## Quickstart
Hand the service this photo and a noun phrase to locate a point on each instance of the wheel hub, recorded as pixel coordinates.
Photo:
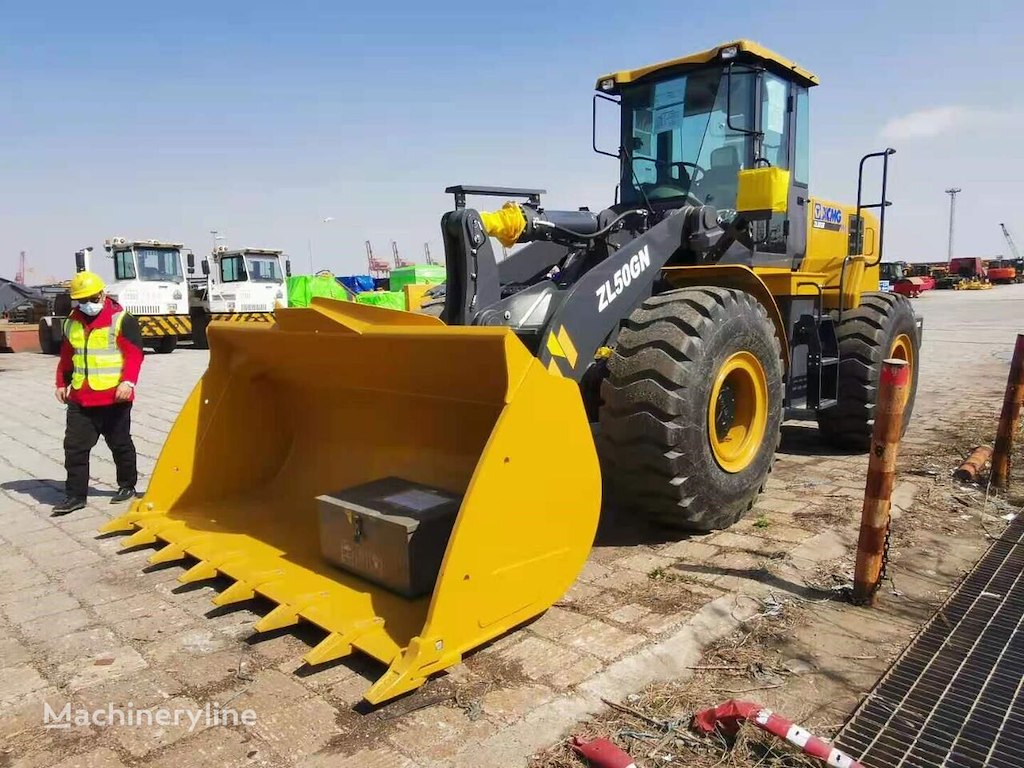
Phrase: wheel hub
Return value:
(725, 411)
(738, 411)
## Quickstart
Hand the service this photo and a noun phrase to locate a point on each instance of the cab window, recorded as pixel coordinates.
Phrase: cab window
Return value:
(678, 141)
(775, 129)
(801, 160)
(232, 269)
(124, 265)
(775, 120)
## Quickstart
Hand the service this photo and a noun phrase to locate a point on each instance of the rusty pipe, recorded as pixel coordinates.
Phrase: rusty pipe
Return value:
(885, 440)
(973, 464)
(1009, 417)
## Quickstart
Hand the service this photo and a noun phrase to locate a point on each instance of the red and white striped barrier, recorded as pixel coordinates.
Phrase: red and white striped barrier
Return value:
(601, 753)
(730, 714)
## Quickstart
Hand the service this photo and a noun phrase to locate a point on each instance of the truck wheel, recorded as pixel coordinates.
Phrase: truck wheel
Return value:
(166, 345)
(199, 324)
(692, 408)
(883, 326)
(48, 345)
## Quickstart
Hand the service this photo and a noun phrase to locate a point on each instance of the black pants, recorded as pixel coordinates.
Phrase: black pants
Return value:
(85, 425)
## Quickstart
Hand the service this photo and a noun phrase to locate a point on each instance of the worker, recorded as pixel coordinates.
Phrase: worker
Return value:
(100, 359)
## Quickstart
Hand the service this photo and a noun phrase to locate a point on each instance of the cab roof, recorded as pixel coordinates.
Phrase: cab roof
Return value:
(117, 245)
(747, 52)
(250, 252)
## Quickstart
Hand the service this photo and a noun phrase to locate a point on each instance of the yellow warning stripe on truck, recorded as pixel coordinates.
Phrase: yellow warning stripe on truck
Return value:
(243, 317)
(164, 325)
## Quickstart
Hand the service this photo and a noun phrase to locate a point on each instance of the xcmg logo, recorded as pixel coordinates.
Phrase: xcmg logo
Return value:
(827, 217)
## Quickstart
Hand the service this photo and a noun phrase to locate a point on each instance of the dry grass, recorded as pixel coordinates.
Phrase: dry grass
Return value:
(653, 726)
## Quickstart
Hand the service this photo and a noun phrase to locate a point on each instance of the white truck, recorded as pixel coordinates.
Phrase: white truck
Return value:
(242, 285)
(149, 282)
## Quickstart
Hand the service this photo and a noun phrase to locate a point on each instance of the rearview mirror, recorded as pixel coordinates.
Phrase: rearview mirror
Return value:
(739, 104)
(190, 259)
(206, 267)
(79, 261)
(593, 125)
(288, 267)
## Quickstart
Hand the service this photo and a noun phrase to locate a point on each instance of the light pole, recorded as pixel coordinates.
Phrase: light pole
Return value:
(309, 243)
(952, 192)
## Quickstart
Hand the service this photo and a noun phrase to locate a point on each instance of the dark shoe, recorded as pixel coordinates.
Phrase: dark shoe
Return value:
(70, 504)
(123, 494)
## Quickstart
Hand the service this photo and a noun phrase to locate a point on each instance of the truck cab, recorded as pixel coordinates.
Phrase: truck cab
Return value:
(245, 280)
(149, 282)
(243, 285)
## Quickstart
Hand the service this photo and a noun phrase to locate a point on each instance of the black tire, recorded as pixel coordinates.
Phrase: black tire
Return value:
(654, 439)
(166, 345)
(48, 345)
(866, 338)
(200, 321)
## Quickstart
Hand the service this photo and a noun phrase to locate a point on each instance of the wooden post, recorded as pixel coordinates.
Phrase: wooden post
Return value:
(1009, 417)
(885, 439)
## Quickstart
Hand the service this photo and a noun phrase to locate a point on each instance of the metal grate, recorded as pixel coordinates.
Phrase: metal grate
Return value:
(143, 309)
(953, 698)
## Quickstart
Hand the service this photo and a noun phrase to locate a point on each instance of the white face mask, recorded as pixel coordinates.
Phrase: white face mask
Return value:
(91, 308)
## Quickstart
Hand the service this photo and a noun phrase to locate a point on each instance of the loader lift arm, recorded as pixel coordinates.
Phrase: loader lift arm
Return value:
(562, 316)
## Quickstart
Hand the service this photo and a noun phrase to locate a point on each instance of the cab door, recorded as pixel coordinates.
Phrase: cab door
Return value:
(784, 120)
(799, 196)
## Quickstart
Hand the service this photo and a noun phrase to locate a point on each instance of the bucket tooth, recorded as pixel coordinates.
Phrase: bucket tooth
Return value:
(422, 658)
(282, 616)
(334, 646)
(338, 645)
(238, 592)
(122, 524)
(287, 614)
(199, 572)
(169, 554)
(140, 537)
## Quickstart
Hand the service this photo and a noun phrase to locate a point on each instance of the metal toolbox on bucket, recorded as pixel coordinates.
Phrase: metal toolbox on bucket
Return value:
(392, 532)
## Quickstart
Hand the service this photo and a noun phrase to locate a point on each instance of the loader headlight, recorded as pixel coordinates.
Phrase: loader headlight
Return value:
(171, 309)
(608, 83)
(729, 52)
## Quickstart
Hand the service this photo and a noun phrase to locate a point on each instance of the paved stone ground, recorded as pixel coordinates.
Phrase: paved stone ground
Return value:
(82, 623)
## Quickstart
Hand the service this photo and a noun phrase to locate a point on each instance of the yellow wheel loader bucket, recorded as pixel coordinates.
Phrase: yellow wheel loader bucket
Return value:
(336, 395)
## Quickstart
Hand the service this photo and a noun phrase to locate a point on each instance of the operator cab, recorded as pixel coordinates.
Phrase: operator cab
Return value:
(689, 126)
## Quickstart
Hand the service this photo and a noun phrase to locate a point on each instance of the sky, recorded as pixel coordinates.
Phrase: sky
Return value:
(260, 120)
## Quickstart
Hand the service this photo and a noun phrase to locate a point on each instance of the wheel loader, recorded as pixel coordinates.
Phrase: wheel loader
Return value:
(418, 485)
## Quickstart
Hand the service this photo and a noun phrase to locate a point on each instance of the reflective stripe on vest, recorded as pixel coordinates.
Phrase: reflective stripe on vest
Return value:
(96, 358)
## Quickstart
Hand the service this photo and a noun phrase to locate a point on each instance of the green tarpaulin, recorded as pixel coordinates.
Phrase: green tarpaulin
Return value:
(387, 299)
(430, 274)
(302, 288)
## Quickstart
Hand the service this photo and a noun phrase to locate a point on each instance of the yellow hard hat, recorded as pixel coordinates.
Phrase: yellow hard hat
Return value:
(86, 284)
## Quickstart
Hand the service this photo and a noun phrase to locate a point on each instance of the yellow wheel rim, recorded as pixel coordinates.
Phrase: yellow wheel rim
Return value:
(903, 349)
(738, 412)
